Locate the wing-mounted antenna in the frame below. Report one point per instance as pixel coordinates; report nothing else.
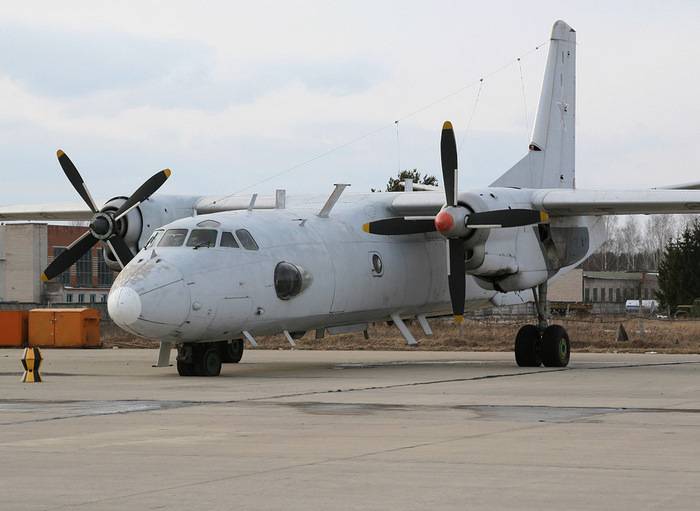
(335, 195)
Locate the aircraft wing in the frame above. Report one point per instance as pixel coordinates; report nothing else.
(66, 211)
(622, 202)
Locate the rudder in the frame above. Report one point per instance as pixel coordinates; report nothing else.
(549, 162)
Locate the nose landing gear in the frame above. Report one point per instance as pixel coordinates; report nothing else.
(205, 358)
(543, 344)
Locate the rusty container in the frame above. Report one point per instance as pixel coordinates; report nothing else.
(13, 329)
(64, 328)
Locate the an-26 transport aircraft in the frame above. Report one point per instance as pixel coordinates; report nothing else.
(205, 273)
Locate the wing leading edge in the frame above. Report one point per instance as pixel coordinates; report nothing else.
(620, 202)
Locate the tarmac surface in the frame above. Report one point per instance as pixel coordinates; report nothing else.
(301, 430)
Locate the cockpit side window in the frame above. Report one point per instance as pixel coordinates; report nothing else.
(246, 239)
(227, 240)
(155, 237)
(202, 238)
(173, 238)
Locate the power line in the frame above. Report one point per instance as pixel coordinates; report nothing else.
(385, 127)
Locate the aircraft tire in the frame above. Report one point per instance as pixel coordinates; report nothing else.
(208, 361)
(185, 369)
(556, 347)
(527, 343)
(231, 353)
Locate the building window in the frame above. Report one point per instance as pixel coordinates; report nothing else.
(105, 276)
(610, 294)
(63, 278)
(618, 295)
(84, 269)
(69, 298)
(92, 298)
(103, 298)
(587, 295)
(595, 294)
(602, 294)
(81, 298)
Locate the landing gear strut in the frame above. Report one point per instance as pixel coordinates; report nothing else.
(205, 358)
(544, 344)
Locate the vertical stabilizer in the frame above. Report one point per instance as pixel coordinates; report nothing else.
(549, 162)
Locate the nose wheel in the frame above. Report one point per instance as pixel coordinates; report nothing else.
(199, 359)
(205, 358)
(542, 344)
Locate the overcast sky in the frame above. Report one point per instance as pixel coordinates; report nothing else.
(228, 94)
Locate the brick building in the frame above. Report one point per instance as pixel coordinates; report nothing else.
(27, 248)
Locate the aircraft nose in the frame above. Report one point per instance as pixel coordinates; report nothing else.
(124, 305)
(150, 299)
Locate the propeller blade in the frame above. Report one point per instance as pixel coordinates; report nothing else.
(456, 277)
(76, 179)
(69, 256)
(143, 192)
(399, 225)
(506, 218)
(121, 252)
(448, 155)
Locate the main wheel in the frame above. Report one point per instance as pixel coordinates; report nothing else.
(208, 363)
(556, 348)
(232, 352)
(527, 346)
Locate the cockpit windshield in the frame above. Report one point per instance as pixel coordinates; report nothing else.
(202, 238)
(173, 238)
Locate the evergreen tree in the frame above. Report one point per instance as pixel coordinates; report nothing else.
(394, 184)
(679, 268)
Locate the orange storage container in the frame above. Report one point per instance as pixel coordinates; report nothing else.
(64, 328)
(13, 328)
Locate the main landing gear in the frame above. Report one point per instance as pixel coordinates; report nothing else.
(542, 344)
(205, 358)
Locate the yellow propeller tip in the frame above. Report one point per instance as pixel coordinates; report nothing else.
(544, 217)
(44, 278)
(60, 153)
(365, 227)
(447, 125)
(459, 319)
(167, 172)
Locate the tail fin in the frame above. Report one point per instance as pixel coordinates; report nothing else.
(549, 162)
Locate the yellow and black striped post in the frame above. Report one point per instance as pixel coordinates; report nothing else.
(31, 360)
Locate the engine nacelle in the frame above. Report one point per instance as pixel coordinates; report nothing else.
(138, 225)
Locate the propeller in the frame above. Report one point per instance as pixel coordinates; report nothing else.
(104, 223)
(454, 221)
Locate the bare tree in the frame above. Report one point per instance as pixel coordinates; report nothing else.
(609, 245)
(630, 240)
(658, 231)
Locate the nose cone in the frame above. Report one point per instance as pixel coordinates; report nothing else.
(124, 305)
(150, 299)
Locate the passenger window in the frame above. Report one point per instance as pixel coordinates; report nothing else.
(227, 240)
(246, 239)
(173, 238)
(202, 238)
(154, 238)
